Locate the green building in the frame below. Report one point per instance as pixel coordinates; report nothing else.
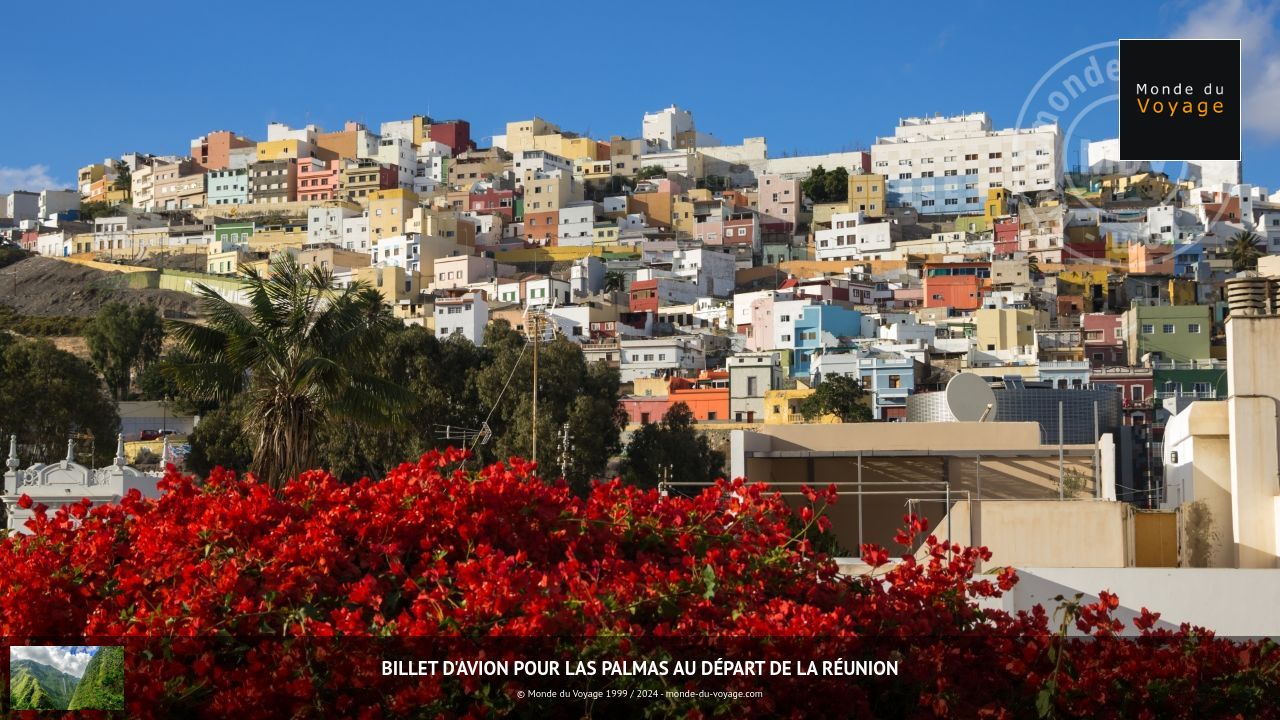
(1179, 333)
(232, 234)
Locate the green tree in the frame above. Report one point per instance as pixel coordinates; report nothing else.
(614, 281)
(1244, 249)
(304, 354)
(571, 391)
(651, 171)
(671, 449)
(45, 394)
(823, 187)
(220, 441)
(124, 177)
(438, 375)
(102, 686)
(838, 395)
(90, 211)
(124, 340)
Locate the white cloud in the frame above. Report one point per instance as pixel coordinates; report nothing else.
(34, 178)
(1254, 24)
(70, 659)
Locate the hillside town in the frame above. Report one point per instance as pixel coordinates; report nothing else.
(1090, 297)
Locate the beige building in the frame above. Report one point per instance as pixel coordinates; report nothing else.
(522, 134)
(390, 212)
(472, 166)
(544, 192)
(177, 185)
(1007, 329)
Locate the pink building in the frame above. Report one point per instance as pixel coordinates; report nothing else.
(317, 180)
(779, 201)
(760, 332)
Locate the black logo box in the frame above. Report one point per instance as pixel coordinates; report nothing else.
(1186, 68)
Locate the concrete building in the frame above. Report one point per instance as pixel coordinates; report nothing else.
(56, 202)
(652, 357)
(358, 180)
(22, 205)
(324, 222)
(318, 180)
(274, 181)
(465, 315)
(868, 194)
(946, 165)
(887, 379)
(751, 375)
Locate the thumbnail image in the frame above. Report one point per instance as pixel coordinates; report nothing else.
(66, 677)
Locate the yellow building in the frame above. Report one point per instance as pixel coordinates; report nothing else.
(390, 212)
(274, 238)
(88, 175)
(283, 149)
(395, 284)
(867, 194)
(605, 234)
(1148, 186)
(997, 204)
(782, 407)
(1006, 328)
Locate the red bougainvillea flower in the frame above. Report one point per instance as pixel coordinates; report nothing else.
(234, 600)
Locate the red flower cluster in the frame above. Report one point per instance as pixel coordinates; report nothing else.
(235, 600)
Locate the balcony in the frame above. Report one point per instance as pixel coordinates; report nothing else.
(1189, 365)
(1210, 394)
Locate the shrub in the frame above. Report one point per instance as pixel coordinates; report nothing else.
(241, 601)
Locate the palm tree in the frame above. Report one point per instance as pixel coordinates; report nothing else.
(303, 354)
(1244, 249)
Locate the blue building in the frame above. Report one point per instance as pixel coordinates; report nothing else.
(946, 195)
(822, 326)
(888, 378)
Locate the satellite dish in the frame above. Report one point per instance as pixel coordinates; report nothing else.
(970, 398)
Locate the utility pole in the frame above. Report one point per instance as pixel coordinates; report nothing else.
(534, 317)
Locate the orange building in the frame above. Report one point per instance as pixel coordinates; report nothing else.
(956, 285)
(1152, 259)
(213, 151)
(542, 228)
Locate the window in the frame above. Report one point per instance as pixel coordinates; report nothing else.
(1148, 328)
(995, 169)
(1119, 332)
(1202, 389)
(993, 156)
(1193, 328)
(904, 176)
(1136, 392)
(711, 415)
(971, 171)
(949, 173)
(1167, 328)
(973, 156)
(927, 174)
(952, 201)
(895, 381)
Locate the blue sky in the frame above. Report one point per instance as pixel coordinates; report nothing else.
(89, 80)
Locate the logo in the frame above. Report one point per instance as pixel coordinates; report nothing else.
(1180, 98)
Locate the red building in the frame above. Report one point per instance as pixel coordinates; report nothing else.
(454, 133)
(1005, 232)
(213, 151)
(1104, 339)
(960, 286)
(494, 202)
(644, 296)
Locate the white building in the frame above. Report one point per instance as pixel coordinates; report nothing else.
(1104, 159)
(324, 223)
(23, 205)
(355, 232)
(714, 272)
(851, 237)
(946, 165)
(465, 315)
(654, 357)
(577, 224)
(403, 251)
(665, 127)
(53, 202)
(66, 482)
